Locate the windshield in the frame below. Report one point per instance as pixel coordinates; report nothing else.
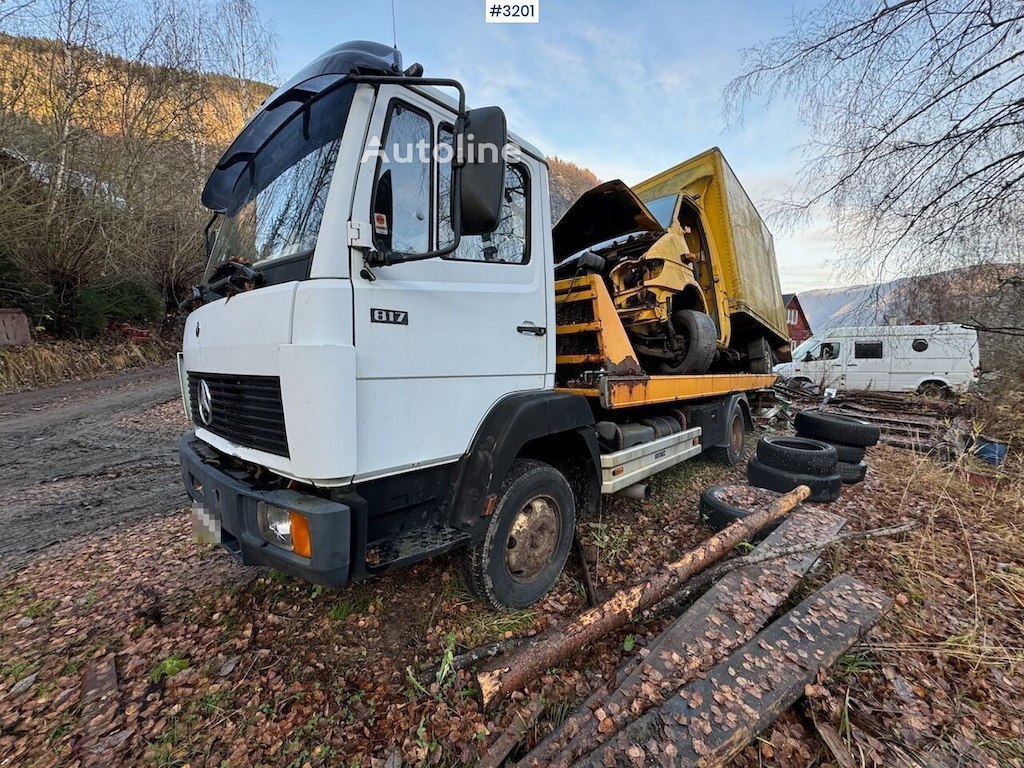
(804, 347)
(280, 197)
(661, 208)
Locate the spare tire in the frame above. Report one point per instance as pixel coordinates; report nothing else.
(836, 427)
(851, 454)
(823, 487)
(797, 454)
(852, 473)
(722, 505)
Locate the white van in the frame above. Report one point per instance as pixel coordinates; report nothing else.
(927, 359)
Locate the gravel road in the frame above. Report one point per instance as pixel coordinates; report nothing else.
(86, 457)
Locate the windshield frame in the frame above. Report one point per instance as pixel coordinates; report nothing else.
(319, 124)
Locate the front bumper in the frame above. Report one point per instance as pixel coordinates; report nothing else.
(233, 502)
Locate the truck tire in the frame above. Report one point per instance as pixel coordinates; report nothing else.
(823, 487)
(851, 454)
(797, 454)
(852, 473)
(527, 540)
(701, 342)
(718, 513)
(759, 352)
(836, 427)
(733, 452)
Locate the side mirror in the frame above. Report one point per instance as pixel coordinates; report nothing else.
(482, 146)
(808, 357)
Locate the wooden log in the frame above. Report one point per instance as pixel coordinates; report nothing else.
(498, 679)
(714, 718)
(513, 735)
(724, 618)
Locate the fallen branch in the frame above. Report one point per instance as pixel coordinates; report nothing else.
(513, 735)
(547, 650)
(673, 603)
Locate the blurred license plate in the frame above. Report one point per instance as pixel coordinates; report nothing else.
(205, 525)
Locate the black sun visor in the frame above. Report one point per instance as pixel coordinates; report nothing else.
(293, 112)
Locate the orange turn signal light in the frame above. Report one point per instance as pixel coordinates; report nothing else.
(301, 544)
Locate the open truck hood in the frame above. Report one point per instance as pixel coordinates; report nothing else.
(607, 211)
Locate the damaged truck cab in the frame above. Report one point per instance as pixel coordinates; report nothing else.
(371, 363)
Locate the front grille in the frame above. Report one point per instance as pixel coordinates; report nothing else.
(246, 410)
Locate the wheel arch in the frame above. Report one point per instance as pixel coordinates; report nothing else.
(932, 379)
(555, 427)
(691, 297)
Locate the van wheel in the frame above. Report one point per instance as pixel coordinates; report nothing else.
(699, 333)
(934, 389)
(527, 540)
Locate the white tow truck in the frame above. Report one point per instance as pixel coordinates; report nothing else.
(387, 359)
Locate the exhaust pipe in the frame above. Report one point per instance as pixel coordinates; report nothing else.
(640, 491)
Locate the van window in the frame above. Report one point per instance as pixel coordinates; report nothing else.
(867, 350)
(829, 350)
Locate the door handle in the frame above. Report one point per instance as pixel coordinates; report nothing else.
(531, 328)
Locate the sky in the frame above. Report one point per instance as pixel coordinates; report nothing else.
(625, 89)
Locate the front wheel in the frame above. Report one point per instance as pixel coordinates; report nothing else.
(699, 336)
(527, 541)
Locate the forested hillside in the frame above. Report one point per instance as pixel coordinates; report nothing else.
(567, 181)
(108, 129)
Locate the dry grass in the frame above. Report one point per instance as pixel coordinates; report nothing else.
(950, 655)
(51, 362)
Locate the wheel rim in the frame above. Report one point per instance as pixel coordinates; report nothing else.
(736, 435)
(533, 539)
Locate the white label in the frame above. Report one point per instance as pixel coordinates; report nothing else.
(512, 13)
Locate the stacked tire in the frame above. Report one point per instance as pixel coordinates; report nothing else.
(850, 436)
(782, 463)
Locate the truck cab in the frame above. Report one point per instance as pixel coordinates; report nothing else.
(371, 362)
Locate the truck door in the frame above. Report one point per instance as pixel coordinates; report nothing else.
(439, 341)
(823, 364)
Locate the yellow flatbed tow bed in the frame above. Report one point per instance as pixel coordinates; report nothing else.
(595, 358)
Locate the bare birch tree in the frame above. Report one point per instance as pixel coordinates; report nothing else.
(916, 109)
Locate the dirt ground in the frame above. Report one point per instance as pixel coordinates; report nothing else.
(205, 663)
(79, 458)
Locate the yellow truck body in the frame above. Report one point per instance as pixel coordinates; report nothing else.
(746, 276)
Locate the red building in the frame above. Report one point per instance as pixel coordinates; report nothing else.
(796, 320)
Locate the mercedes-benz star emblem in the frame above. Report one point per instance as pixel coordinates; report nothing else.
(205, 403)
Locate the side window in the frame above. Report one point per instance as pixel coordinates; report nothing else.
(829, 350)
(867, 350)
(508, 244)
(401, 197)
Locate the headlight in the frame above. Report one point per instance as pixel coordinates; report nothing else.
(284, 528)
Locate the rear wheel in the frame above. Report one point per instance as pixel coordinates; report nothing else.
(527, 540)
(696, 333)
(736, 432)
(934, 389)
